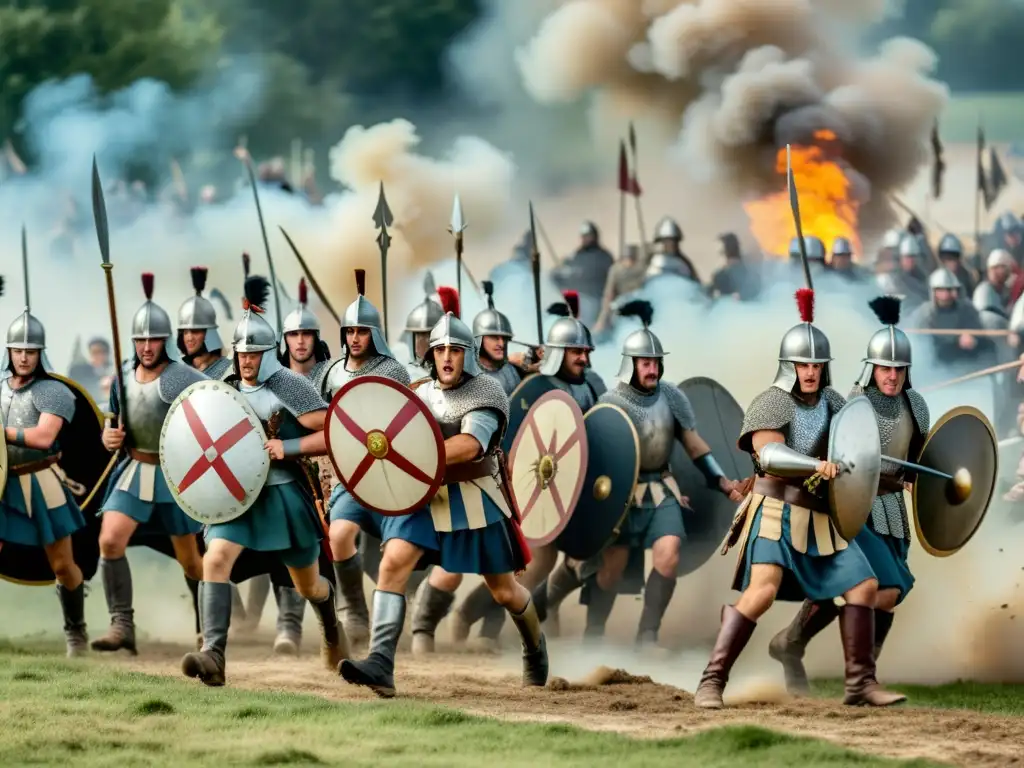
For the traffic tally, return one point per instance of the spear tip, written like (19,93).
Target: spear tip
(382,216)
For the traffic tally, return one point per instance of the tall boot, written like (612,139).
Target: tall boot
(377,670)
(788,646)
(291,607)
(562,582)
(493,623)
(733,636)
(539,598)
(599,607)
(535,647)
(333,641)
(72,605)
(432,605)
(857,626)
(117,587)
(209,663)
(238,615)
(259,590)
(193,588)
(476,605)
(883,623)
(351,606)
(657,595)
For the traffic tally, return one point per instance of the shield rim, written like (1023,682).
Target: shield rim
(239,398)
(435,430)
(93,493)
(949,415)
(832,488)
(577,413)
(512,397)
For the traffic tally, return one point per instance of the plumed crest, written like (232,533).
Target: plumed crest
(147,285)
(303,292)
(449,299)
(428,285)
(638,308)
(572,298)
(246,262)
(361,282)
(257,292)
(805,304)
(199,275)
(886,309)
(559,308)
(488,287)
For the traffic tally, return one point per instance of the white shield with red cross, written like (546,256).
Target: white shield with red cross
(212,452)
(385,445)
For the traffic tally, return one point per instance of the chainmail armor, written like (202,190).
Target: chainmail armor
(507,375)
(295,391)
(336,376)
(175,379)
(25,408)
(219,369)
(318,373)
(473,394)
(805,428)
(659,418)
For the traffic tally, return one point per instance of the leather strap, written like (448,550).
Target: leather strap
(777,488)
(32,467)
(144,458)
(471,470)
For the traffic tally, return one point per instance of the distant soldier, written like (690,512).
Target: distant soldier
(625,277)
(842,262)
(198,338)
(951,252)
(420,320)
(949,310)
(668,259)
(586,271)
(736,280)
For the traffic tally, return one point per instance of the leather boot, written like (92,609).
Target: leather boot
(259,590)
(883,623)
(352,610)
(490,629)
(657,595)
(377,670)
(788,646)
(333,641)
(535,647)
(857,626)
(72,605)
(599,608)
(238,615)
(539,598)
(732,639)
(473,608)
(562,582)
(117,587)
(291,607)
(432,605)
(193,588)
(209,664)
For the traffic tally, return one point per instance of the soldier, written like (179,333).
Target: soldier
(789,547)
(908,279)
(587,269)
(736,280)
(365,352)
(948,310)
(887,257)
(472,411)
(421,320)
(661,414)
(903,424)
(138,498)
(36,505)
(198,338)
(993,294)
(283,520)
(951,252)
(842,262)
(668,259)
(492,331)
(625,276)
(815,248)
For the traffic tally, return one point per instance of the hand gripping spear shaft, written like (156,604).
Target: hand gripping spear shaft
(383,219)
(794,203)
(266,243)
(535,269)
(457,227)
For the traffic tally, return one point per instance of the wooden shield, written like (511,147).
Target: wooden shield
(522,399)
(385,444)
(547,466)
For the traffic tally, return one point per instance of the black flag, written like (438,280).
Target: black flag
(996,178)
(938,164)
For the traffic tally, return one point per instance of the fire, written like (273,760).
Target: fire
(827,210)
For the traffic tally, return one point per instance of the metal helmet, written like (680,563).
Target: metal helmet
(641,342)
(589,228)
(253,333)
(491,322)
(1000,258)
(911,246)
(668,229)
(450,331)
(425,315)
(301,318)
(950,246)
(567,332)
(362,314)
(26,332)
(197,313)
(803,343)
(1008,222)
(893,238)
(150,321)
(943,278)
(841,247)
(815,248)
(888,346)
(987,299)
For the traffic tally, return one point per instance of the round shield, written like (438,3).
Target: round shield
(3,453)
(947,513)
(853,444)
(212,452)
(719,422)
(520,402)
(547,466)
(385,445)
(613,464)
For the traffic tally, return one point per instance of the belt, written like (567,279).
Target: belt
(32,467)
(471,470)
(144,458)
(796,495)
(889,484)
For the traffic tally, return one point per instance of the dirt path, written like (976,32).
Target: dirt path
(606,700)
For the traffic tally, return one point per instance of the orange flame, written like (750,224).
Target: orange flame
(827,210)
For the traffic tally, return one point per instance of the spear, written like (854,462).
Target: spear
(309,276)
(794,203)
(24,266)
(247,160)
(535,268)
(456,228)
(383,219)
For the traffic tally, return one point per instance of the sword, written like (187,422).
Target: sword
(247,160)
(535,268)
(794,203)
(383,219)
(309,276)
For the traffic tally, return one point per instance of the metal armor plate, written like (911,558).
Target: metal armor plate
(547,466)
(212,454)
(707,520)
(385,444)
(613,464)
(947,513)
(521,401)
(853,444)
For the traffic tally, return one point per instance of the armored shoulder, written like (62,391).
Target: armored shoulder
(834,399)
(49,396)
(771,411)
(680,405)
(487,392)
(318,375)
(919,409)
(176,378)
(596,382)
(392,369)
(296,392)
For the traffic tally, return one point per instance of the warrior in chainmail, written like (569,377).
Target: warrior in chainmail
(662,415)
(470,526)
(198,338)
(138,501)
(908,278)
(903,424)
(994,293)
(948,310)
(283,521)
(668,259)
(789,548)
(37,509)
(418,324)
(950,252)
(365,352)
(492,331)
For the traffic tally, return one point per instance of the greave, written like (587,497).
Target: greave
(72,605)
(432,605)
(351,599)
(209,664)
(599,607)
(117,587)
(291,607)
(333,642)
(377,671)
(657,595)
(477,605)
(259,590)
(535,651)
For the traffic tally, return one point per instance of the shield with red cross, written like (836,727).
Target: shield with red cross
(547,465)
(385,444)
(212,452)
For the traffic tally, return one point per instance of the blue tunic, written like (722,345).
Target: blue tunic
(888,558)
